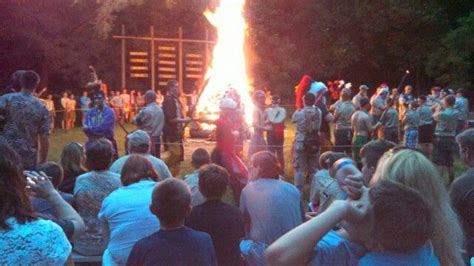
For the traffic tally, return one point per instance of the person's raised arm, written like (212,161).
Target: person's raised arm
(296,246)
(42,187)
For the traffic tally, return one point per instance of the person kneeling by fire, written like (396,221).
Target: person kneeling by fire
(224,152)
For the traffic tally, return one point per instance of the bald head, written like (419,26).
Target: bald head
(150,96)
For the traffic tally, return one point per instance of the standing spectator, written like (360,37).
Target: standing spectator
(174,244)
(25,239)
(125,213)
(276,116)
(363,89)
(307,144)
(377,103)
(133,104)
(71,112)
(117,103)
(342,120)
(139,143)
(126,104)
(406,98)
(85,102)
(140,100)
(271,206)
(27,122)
(361,123)
(462,105)
(51,109)
(73,158)
(444,144)
(90,190)
(199,158)
(223,222)
(64,101)
(257,141)
(395,96)
(389,122)
(410,122)
(151,119)
(462,189)
(173,129)
(100,122)
(425,129)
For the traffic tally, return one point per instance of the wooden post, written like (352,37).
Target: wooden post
(123,58)
(152,57)
(180,60)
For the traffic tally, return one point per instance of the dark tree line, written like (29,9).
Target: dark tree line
(358,41)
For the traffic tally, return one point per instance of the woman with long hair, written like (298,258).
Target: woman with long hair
(122,207)
(413,169)
(25,239)
(73,157)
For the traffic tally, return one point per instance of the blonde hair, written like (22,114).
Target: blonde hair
(413,169)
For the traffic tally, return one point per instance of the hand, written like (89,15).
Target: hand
(39,184)
(353,186)
(358,209)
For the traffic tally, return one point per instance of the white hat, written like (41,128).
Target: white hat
(227,103)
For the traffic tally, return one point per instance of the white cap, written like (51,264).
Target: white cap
(227,103)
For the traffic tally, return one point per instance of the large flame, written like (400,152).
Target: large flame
(228,68)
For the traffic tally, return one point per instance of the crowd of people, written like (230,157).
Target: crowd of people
(377,195)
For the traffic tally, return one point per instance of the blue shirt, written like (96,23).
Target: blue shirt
(100,124)
(182,246)
(85,101)
(333,249)
(127,213)
(422,256)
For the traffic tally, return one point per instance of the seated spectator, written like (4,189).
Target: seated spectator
(271,206)
(125,213)
(462,189)
(72,160)
(199,158)
(370,155)
(223,222)
(324,188)
(62,213)
(370,223)
(139,143)
(174,244)
(42,206)
(90,190)
(413,169)
(25,239)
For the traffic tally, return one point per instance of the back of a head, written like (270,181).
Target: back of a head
(364,102)
(136,168)
(171,201)
(213,181)
(71,158)
(466,140)
(99,155)
(53,170)
(413,169)
(450,100)
(200,157)
(373,151)
(309,99)
(267,163)
(150,96)
(138,142)
(392,202)
(29,80)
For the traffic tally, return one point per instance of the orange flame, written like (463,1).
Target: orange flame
(228,67)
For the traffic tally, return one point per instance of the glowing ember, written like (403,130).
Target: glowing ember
(228,67)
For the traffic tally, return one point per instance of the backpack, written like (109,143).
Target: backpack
(312,141)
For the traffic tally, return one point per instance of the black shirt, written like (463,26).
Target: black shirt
(182,246)
(225,225)
(172,131)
